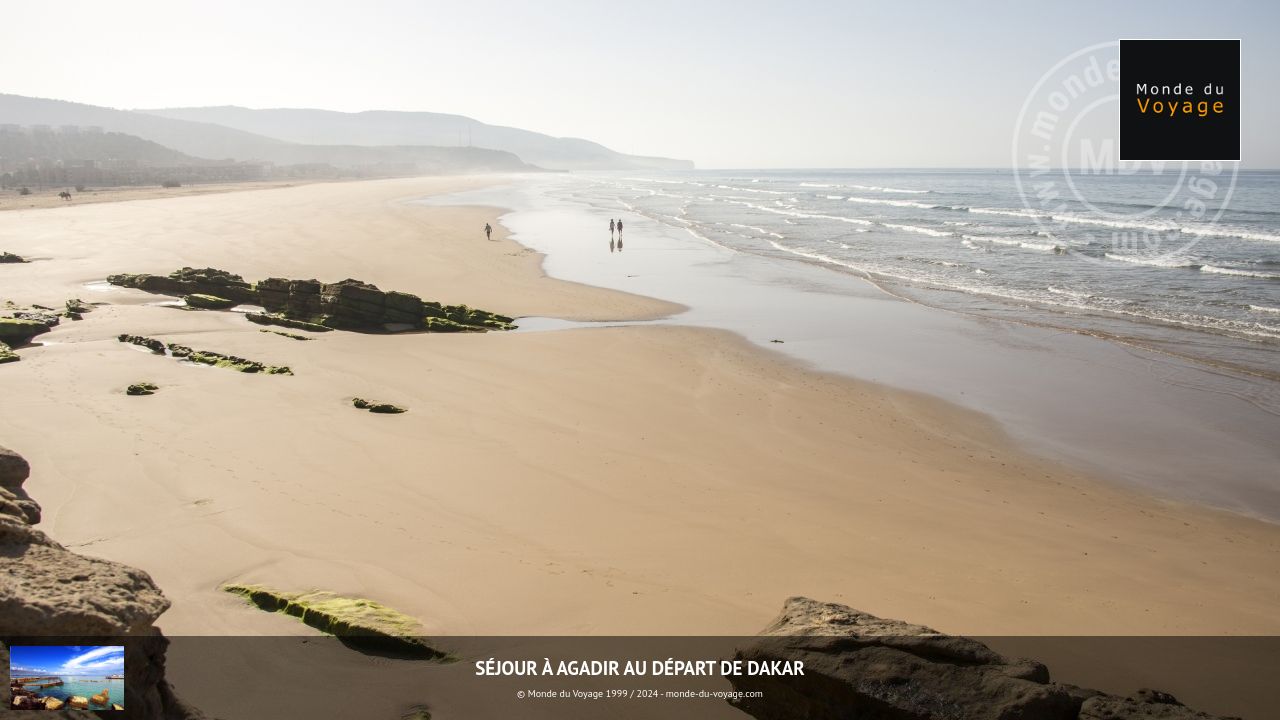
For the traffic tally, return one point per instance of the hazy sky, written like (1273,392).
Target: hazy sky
(726,84)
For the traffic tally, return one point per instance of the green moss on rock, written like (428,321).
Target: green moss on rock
(16,331)
(363,624)
(208,302)
(272,319)
(7,355)
(8,257)
(151,344)
(231,362)
(281,333)
(377,407)
(142,388)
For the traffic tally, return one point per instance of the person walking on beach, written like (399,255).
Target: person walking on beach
(619,228)
(488,231)
(610,230)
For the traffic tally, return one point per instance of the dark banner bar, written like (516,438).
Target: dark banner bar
(311,677)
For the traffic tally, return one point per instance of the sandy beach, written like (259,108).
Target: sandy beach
(41,198)
(630,480)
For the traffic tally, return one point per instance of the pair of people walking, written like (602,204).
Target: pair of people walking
(615,226)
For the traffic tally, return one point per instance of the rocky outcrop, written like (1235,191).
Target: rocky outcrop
(191,281)
(151,344)
(860,666)
(355,305)
(7,355)
(362,624)
(50,591)
(8,257)
(231,362)
(377,407)
(142,388)
(312,305)
(14,469)
(208,302)
(291,336)
(19,331)
(271,319)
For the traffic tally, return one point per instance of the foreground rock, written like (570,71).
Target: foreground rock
(362,624)
(8,257)
(313,305)
(50,591)
(7,355)
(860,666)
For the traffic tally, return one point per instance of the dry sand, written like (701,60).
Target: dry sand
(603,481)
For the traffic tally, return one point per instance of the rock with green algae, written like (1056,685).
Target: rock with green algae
(188,281)
(142,388)
(232,362)
(362,624)
(7,355)
(310,304)
(378,407)
(151,344)
(281,333)
(271,319)
(8,257)
(16,331)
(208,302)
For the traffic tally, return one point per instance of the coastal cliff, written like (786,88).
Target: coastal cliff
(52,593)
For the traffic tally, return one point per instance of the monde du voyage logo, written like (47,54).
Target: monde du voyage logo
(1180,100)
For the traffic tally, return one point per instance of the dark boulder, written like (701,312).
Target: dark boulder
(17,331)
(859,666)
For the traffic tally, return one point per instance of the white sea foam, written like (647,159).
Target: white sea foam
(786,210)
(1012,242)
(1264,309)
(754,228)
(918,229)
(1240,273)
(895,203)
(1160,261)
(889,189)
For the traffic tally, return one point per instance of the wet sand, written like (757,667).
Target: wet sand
(632,480)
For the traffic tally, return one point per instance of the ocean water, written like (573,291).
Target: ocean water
(1116,256)
(87,688)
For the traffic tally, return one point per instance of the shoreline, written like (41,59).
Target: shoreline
(572,470)
(1171,427)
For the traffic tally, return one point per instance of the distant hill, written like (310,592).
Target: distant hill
(216,142)
(383,127)
(86,146)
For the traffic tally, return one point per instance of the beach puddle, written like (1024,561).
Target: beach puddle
(547,324)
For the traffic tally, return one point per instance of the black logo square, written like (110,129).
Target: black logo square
(1179,99)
